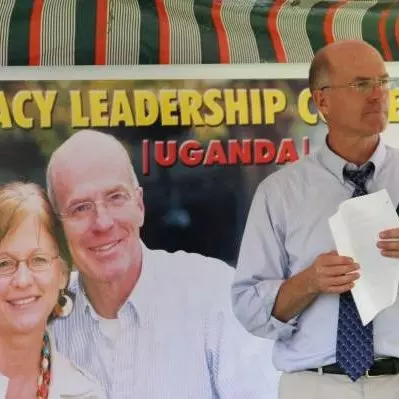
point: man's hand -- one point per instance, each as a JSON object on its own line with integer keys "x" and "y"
{"x": 389, "y": 243}
{"x": 331, "y": 273}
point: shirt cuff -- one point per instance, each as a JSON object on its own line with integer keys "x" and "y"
{"x": 284, "y": 330}
{"x": 277, "y": 330}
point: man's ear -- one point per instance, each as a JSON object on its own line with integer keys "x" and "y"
{"x": 320, "y": 99}
{"x": 140, "y": 204}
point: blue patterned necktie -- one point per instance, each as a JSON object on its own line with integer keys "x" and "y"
{"x": 355, "y": 350}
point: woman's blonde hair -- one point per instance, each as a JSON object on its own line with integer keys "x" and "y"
{"x": 19, "y": 200}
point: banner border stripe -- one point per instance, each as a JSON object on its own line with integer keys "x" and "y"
{"x": 371, "y": 25}
{"x": 5, "y": 20}
{"x": 85, "y": 39}
{"x": 58, "y": 32}
{"x": 223, "y": 40}
{"x": 185, "y": 34}
{"x": 243, "y": 46}
{"x": 18, "y": 37}
{"x": 315, "y": 24}
{"x": 391, "y": 31}
{"x": 260, "y": 12}
{"x": 329, "y": 22}
{"x": 164, "y": 32}
{"x": 272, "y": 25}
{"x": 35, "y": 32}
{"x": 102, "y": 27}
{"x": 382, "y": 26}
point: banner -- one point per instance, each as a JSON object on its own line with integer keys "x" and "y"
{"x": 200, "y": 147}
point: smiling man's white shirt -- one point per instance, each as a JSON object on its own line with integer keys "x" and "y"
{"x": 175, "y": 337}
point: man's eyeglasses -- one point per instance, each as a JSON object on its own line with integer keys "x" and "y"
{"x": 367, "y": 86}
{"x": 35, "y": 263}
{"x": 85, "y": 210}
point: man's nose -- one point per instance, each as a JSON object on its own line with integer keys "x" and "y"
{"x": 378, "y": 91}
{"x": 103, "y": 219}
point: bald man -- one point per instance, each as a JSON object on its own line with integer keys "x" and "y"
{"x": 146, "y": 323}
{"x": 290, "y": 283}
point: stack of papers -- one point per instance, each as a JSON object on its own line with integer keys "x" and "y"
{"x": 355, "y": 228}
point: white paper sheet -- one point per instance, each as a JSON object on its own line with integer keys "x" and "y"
{"x": 355, "y": 229}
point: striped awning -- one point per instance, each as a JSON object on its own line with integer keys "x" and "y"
{"x": 131, "y": 32}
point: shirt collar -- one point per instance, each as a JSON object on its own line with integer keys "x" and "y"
{"x": 138, "y": 298}
{"x": 141, "y": 295}
{"x": 335, "y": 164}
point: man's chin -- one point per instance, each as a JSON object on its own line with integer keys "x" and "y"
{"x": 377, "y": 125}
{"x": 110, "y": 272}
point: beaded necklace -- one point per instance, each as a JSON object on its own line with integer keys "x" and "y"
{"x": 43, "y": 381}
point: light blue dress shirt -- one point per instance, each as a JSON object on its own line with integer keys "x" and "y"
{"x": 287, "y": 228}
{"x": 176, "y": 336}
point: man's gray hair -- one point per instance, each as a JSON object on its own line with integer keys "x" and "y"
{"x": 49, "y": 172}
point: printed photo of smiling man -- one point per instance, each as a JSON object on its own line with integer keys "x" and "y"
{"x": 146, "y": 323}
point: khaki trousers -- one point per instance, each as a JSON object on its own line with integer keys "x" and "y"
{"x": 311, "y": 385}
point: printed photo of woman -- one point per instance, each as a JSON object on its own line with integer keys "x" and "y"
{"x": 33, "y": 278}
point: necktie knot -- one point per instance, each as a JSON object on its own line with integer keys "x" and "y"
{"x": 359, "y": 177}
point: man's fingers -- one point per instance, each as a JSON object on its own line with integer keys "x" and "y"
{"x": 341, "y": 269}
{"x": 389, "y": 248}
{"x": 340, "y": 289}
{"x": 390, "y": 254}
{"x": 390, "y": 233}
{"x": 337, "y": 260}
{"x": 342, "y": 280}
{"x": 389, "y": 245}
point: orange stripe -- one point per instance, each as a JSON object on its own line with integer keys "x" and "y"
{"x": 101, "y": 32}
{"x": 35, "y": 32}
{"x": 328, "y": 26}
{"x": 272, "y": 27}
{"x": 164, "y": 32}
{"x": 382, "y": 32}
{"x": 221, "y": 33}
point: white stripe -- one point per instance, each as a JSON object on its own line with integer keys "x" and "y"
{"x": 123, "y": 45}
{"x": 167, "y": 72}
{"x": 348, "y": 19}
{"x": 184, "y": 32}
{"x": 291, "y": 23}
{"x": 5, "y": 19}
{"x": 58, "y": 32}
{"x": 237, "y": 22}
{"x": 107, "y": 27}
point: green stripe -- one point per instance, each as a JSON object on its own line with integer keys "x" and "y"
{"x": 85, "y": 36}
{"x": 390, "y": 30}
{"x": 259, "y": 17}
{"x": 210, "y": 53}
{"x": 18, "y": 39}
{"x": 149, "y": 33}
{"x": 370, "y": 25}
{"x": 315, "y": 25}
